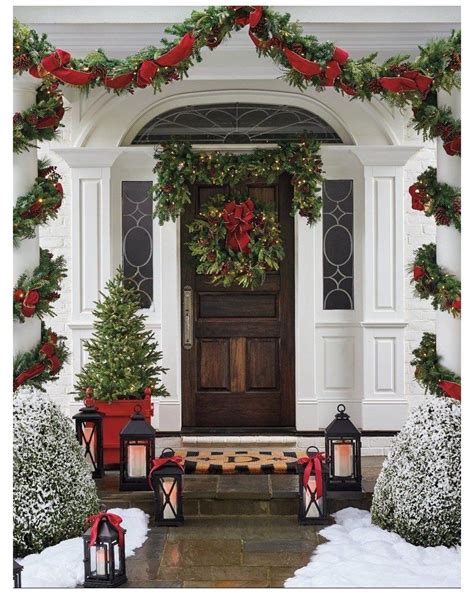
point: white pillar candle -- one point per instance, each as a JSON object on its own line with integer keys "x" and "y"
{"x": 136, "y": 461}
{"x": 89, "y": 438}
{"x": 343, "y": 459}
{"x": 101, "y": 561}
{"x": 168, "y": 512}
{"x": 310, "y": 506}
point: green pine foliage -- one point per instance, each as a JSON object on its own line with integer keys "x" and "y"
{"x": 123, "y": 356}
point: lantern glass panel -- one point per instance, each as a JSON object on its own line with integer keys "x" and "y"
{"x": 342, "y": 453}
{"x": 137, "y": 458}
{"x": 313, "y": 506}
{"x": 89, "y": 443}
{"x": 99, "y": 561}
{"x": 168, "y": 497}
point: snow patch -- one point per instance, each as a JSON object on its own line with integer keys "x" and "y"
{"x": 359, "y": 554}
{"x": 62, "y": 566}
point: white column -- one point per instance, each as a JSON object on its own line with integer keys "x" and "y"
{"x": 26, "y": 256}
{"x": 448, "y": 246}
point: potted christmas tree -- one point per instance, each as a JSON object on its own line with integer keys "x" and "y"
{"x": 124, "y": 362}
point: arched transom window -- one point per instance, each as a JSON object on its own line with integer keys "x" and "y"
{"x": 236, "y": 123}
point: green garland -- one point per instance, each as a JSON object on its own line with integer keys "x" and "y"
{"x": 40, "y": 205}
{"x": 435, "y": 122}
{"x": 42, "y": 363}
{"x": 431, "y": 282}
{"x": 226, "y": 266}
{"x": 436, "y": 199}
{"x": 178, "y": 168}
{"x": 34, "y": 293}
{"x": 41, "y": 121}
{"x": 428, "y": 370}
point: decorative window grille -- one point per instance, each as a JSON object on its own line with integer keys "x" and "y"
{"x": 137, "y": 237}
{"x": 235, "y": 123}
{"x": 338, "y": 244}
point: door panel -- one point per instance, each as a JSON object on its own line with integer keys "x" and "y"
{"x": 239, "y": 371}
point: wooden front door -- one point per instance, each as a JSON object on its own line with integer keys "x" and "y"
{"x": 239, "y": 371}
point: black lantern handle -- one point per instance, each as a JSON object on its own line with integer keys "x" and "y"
{"x": 164, "y": 453}
{"x": 312, "y": 451}
{"x": 102, "y": 507}
{"x": 341, "y": 408}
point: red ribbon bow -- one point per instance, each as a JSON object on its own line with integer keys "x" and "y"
{"x": 178, "y": 53}
{"x": 252, "y": 19}
{"x": 451, "y": 389}
{"x": 95, "y": 523}
{"x": 311, "y": 463}
{"x": 146, "y": 72}
{"x": 159, "y": 462}
{"x": 55, "y": 64}
{"x": 47, "y": 351}
{"x": 237, "y": 219}
{"x": 412, "y": 80}
{"x": 418, "y": 197}
{"x": 30, "y": 301}
{"x": 453, "y": 147}
{"x": 418, "y": 272}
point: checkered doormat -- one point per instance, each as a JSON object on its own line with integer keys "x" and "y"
{"x": 239, "y": 461}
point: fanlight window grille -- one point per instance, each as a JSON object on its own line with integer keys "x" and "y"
{"x": 236, "y": 123}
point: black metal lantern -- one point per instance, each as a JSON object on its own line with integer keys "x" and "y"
{"x": 137, "y": 450}
{"x": 104, "y": 552}
{"x": 343, "y": 452}
{"x": 89, "y": 434}
{"x": 313, "y": 477}
{"x": 17, "y": 569}
{"x": 166, "y": 478}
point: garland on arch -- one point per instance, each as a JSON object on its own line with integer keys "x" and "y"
{"x": 430, "y": 374}
{"x": 236, "y": 243}
{"x": 43, "y": 363}
{"x": 431, "y": 282}
{"x": 34, "y": 292}
{"x": 178, "y": 167}
{"x": 40, "y": 205}
{"x": 436, "y": 199}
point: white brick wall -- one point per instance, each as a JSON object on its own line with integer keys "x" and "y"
{"x": 419, "y": 229}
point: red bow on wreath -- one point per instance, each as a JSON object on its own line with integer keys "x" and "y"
{"x": 311, "y": 463}
{"x": 30, "y": 301}
{"x": 55, "y": 64}
{"x": 95, "y": 521}
{"x": 453, "y": 147}
{"x": 159, "y": 462}
{"x": 237, "y": 219}
{"x": 47, "y": 356}
{"x": 418, "y": 197}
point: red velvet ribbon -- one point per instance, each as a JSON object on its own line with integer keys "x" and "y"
{"x": 178, "y": 53}
{"x": 412, "y": 80}
{"x": 146, "y": 73}
{"x": 347, "y": 89}
{"x": 453, "y": 147}
{"x": 302, "y": 65}
{"x": 418, "y": 272}
{"x": 159, "y": 462}
{"x": 252, "y": 19}
{"x": 48, "y": 352}
{"x": 313, "y": 463}
{"x": 118, "y": 82}
{"x": 331, "y": 72}
{"x": 55, "y": 64}
{"x": 30, "y": 301}
{"x": 456, "y": 304}
{"x": 30, "y": 373}
{"x": 237, "y": 219}
{"x": 340, "y": 55}
{"x": 451, "y": 389}
{"x": 95, "y": 523}
{"x": 418, "y": 196}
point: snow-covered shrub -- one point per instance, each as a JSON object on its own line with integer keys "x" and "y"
{"x": 418, "y": 492}
{"x": 53, "y": 491}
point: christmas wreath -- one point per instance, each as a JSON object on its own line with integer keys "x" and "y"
{"x": 431, "y": 282}
{"x": 43, "y": 363}
{"x": 438, "y": 199}
{"x": 430, "y": 374}
{"x": 40, "y": 205}
{"x": 236, "y": 243}
{"x": 34, "y": 293}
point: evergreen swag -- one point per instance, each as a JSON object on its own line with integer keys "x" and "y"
{"x": 429, "y": 373}
{"x": 123, "y": 355}
{"x": 431, "y": 282}
{"x": 43, "y": 363}
{"x": 40, "y": 205}
{"x": 178, "y": 168}
{"x": 436, "y": 199}
{"x": 34, "y": 293}
{"x": 227, "y": 264}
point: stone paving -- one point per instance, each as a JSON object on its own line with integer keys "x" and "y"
{"x": 239, "y": 531}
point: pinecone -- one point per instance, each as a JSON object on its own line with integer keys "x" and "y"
{"x": 99, "y": 71}
{"x": 21, "y": 62}
{"x": 454, "y": 63}
{"x": 298, "y": 48}
{"x": 54, "y": 296}
{"x": 32, "y": 119}
{"x": 374, "y": 86}
{"x": 399, "y": 68}
{"x": 214, "y": 38}
{"x": 17, "y": 119}
{"x": 441, "y": 216}
{"x": 443, "y": 130}
{"x": 172, "y": 75}
{"x": 261, "y": 30}
{"x": 457, "y": 205}
{"x": 167, "y": 188}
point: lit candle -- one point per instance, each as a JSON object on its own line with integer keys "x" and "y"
{"x": 89, "y": 439}
{"x": 169, "y": 513}
{"x": 101, "y": 560}
{"x": 343, "y": 459}
{"x": 136, "y": 460}
{"x": 311, "y": 508}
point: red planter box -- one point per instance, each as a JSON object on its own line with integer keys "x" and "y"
{"x": 117, "y": 414}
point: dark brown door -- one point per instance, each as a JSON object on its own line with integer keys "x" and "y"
{"x": 239, "y": 371}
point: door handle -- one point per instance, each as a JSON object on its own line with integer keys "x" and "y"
{"x": 188, "y": 317}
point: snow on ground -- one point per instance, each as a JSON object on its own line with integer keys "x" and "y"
{"x": 361, "y": 555}
{"x": 62, "y": 566}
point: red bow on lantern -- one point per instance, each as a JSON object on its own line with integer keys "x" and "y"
{"x": 418, "y": 197}
{"x": 178, "y": 53}
{"x": 453, "y": 147}
{"x": 95, "y": 523}
{"x": 311, "y": 463}
{"x": 418, "y": 272}
{"x": 412, "y": 80}
{"x": 54, "y": 64}
{"x": 237, "y": 219}
{"x": 30, "y": 301}
{"x": 451, "y": 389}
{"x": 159, "y": 462}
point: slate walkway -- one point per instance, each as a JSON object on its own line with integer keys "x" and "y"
{"x": 240, "y": 531}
